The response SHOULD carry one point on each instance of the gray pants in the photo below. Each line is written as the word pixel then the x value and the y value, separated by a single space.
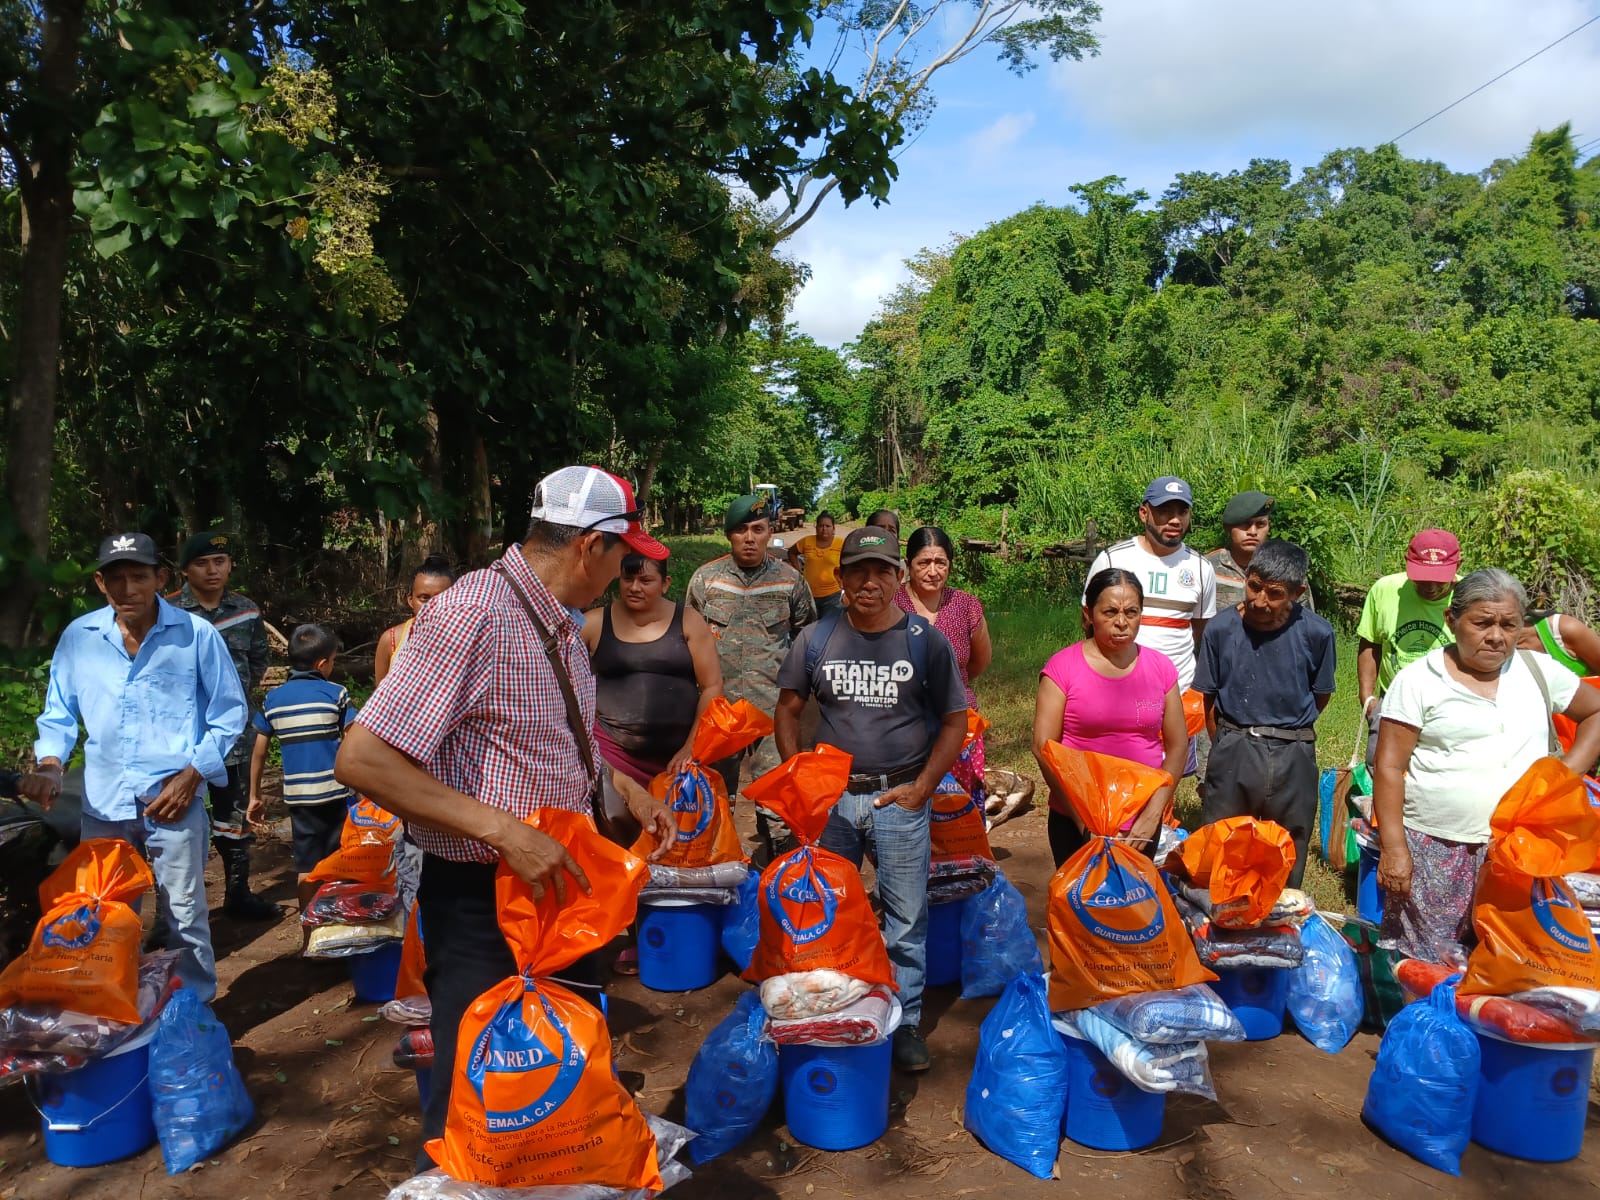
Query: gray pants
pixel 1267 778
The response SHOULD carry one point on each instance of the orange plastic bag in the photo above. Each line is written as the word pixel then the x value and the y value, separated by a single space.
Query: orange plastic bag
pixel 696 796
pixel 1531 930
pixel 1194 711
pixel 1243 863
pixel 955 823
pixel 534 1099
pixel 1113 927
pixel 814 909
pixel 366 848
pixel 1566 727
pixel 84 955
pixel 413 960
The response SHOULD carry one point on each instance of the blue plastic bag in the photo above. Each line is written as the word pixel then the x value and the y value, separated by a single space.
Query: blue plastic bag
pixel 198 1098
pixel 741 921
pixel 1325 989
pixel 732 1081
pixel 997 944
pixel 1425 1082
pixel 1018 1093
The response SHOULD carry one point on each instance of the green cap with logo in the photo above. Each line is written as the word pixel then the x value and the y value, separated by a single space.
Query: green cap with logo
pixel 213 541
pixel 745 508
pixel 870 543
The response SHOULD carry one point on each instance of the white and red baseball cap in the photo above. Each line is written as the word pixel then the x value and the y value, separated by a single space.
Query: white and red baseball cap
pixel 591 499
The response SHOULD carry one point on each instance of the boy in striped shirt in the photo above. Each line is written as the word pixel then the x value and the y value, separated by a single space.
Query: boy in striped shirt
pixel 307 714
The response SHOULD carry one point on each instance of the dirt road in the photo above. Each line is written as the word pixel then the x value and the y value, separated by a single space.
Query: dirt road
pixel 337 1120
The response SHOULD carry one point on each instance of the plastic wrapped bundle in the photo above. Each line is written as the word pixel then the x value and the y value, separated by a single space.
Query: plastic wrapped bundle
pixel 341 941
pixel 1325 989
pixel 859 1023
pixel 1018 1091
pixel 997 941
pixel 1149 1066
pixel 198 1098
pixel 803 995
pixel 414 1050
pixel 732 1080
pixel 1191 1014
pixel 42 1030
pixel 345 903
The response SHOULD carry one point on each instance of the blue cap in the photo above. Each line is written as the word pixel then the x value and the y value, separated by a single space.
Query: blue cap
pixel 1168 488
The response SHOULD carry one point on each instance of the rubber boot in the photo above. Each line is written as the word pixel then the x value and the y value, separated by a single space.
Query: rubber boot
pixel 238 901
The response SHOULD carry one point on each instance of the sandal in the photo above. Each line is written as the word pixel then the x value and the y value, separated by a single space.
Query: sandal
pixel 627 962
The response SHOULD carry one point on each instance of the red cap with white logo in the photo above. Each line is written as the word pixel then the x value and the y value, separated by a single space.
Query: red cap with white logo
pixel 1434 556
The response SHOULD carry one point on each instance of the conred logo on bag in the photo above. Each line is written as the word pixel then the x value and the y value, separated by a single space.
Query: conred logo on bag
pixel 545 1075
pixel 1561 917
pixel 955 814
pixel 800 900
pixel 1120 891
pixel 73 930
pixel 367 815
pixel 691 793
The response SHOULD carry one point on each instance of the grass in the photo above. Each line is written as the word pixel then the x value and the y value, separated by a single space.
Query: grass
pixel 1027 634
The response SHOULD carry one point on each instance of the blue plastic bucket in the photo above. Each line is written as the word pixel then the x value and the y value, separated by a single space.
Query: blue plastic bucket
pixel 678 945
pixel 1532 1102
pixel 1257 997
pixel 101 1112
pixel 1369 896
pixel 836 1097
pixel 1104 1110
pixel 375 973
pixel 944 943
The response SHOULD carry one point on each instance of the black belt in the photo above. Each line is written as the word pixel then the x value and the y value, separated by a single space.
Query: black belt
pixel 882 783
pixel 1306 733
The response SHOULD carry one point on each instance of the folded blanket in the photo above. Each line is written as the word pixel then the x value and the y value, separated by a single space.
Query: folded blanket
pixel 408 1010
pixel 349 904
pixel 1182 1067
pixel 19 1066
pixel 1499 1016
pixel 718 875
pixel 960 864
pixel 858 1024
pixel 342 941
pixel 1267 947
pixel 1577 1007
pixel 802 995
pixel 1294 907
pixel 947 891
pixel 1586 888
pixel 1191 1014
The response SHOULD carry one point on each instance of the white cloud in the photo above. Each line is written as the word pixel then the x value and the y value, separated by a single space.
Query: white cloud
pixel 990 142
pixel 1173 72
pixel 849 275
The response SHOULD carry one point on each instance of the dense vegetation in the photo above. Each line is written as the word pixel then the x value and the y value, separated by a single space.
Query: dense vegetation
pixel 1383 344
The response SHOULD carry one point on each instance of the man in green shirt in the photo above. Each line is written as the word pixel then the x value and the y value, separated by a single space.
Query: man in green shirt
pixel 1403 618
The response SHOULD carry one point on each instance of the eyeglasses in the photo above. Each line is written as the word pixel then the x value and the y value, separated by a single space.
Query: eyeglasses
pixel 630 516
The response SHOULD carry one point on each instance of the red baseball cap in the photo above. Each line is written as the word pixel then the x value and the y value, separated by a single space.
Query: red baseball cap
pixel 589 498
pixel 1434 556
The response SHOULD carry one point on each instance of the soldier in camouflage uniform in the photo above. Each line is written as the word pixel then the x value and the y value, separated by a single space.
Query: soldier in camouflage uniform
pixel 205 565
pixel 755 604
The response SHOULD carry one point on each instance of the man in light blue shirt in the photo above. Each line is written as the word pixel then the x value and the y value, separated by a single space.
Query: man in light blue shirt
pixel 156 690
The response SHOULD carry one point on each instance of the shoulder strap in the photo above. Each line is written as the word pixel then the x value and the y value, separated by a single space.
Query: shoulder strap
pixel 569 694
pixel 1544 691
pixel 821 635
pixel 918 632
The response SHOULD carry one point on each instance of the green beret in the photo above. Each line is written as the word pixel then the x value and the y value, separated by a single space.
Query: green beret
pixel 213 541
pixel 745 508
pixel 1246 506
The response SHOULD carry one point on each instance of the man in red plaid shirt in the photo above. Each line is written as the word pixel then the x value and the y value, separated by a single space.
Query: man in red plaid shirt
pixel 469 735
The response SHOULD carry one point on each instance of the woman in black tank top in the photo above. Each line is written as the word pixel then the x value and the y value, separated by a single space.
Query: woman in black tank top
pixel 656 669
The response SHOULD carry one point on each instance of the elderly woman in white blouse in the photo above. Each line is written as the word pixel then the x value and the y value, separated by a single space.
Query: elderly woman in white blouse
pixel 1458 727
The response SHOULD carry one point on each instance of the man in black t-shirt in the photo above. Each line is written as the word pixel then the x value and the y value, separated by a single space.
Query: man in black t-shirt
pixel 1266 670
pixel 888 692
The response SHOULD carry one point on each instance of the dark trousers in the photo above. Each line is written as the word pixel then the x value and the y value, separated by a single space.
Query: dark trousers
pixel 467 955
pixel 1267 778
pixel 228 802
pixel 1066 839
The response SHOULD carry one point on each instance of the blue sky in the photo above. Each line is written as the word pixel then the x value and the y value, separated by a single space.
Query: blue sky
pixel 1202 85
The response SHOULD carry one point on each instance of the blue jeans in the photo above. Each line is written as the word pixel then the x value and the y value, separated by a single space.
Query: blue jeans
pixel 177 854
pixel 903 851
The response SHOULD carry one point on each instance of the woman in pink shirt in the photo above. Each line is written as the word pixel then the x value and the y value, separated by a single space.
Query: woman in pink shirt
pixel 1112 696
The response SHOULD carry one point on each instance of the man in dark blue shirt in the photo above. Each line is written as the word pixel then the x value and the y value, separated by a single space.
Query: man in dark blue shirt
pixel 1266 670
